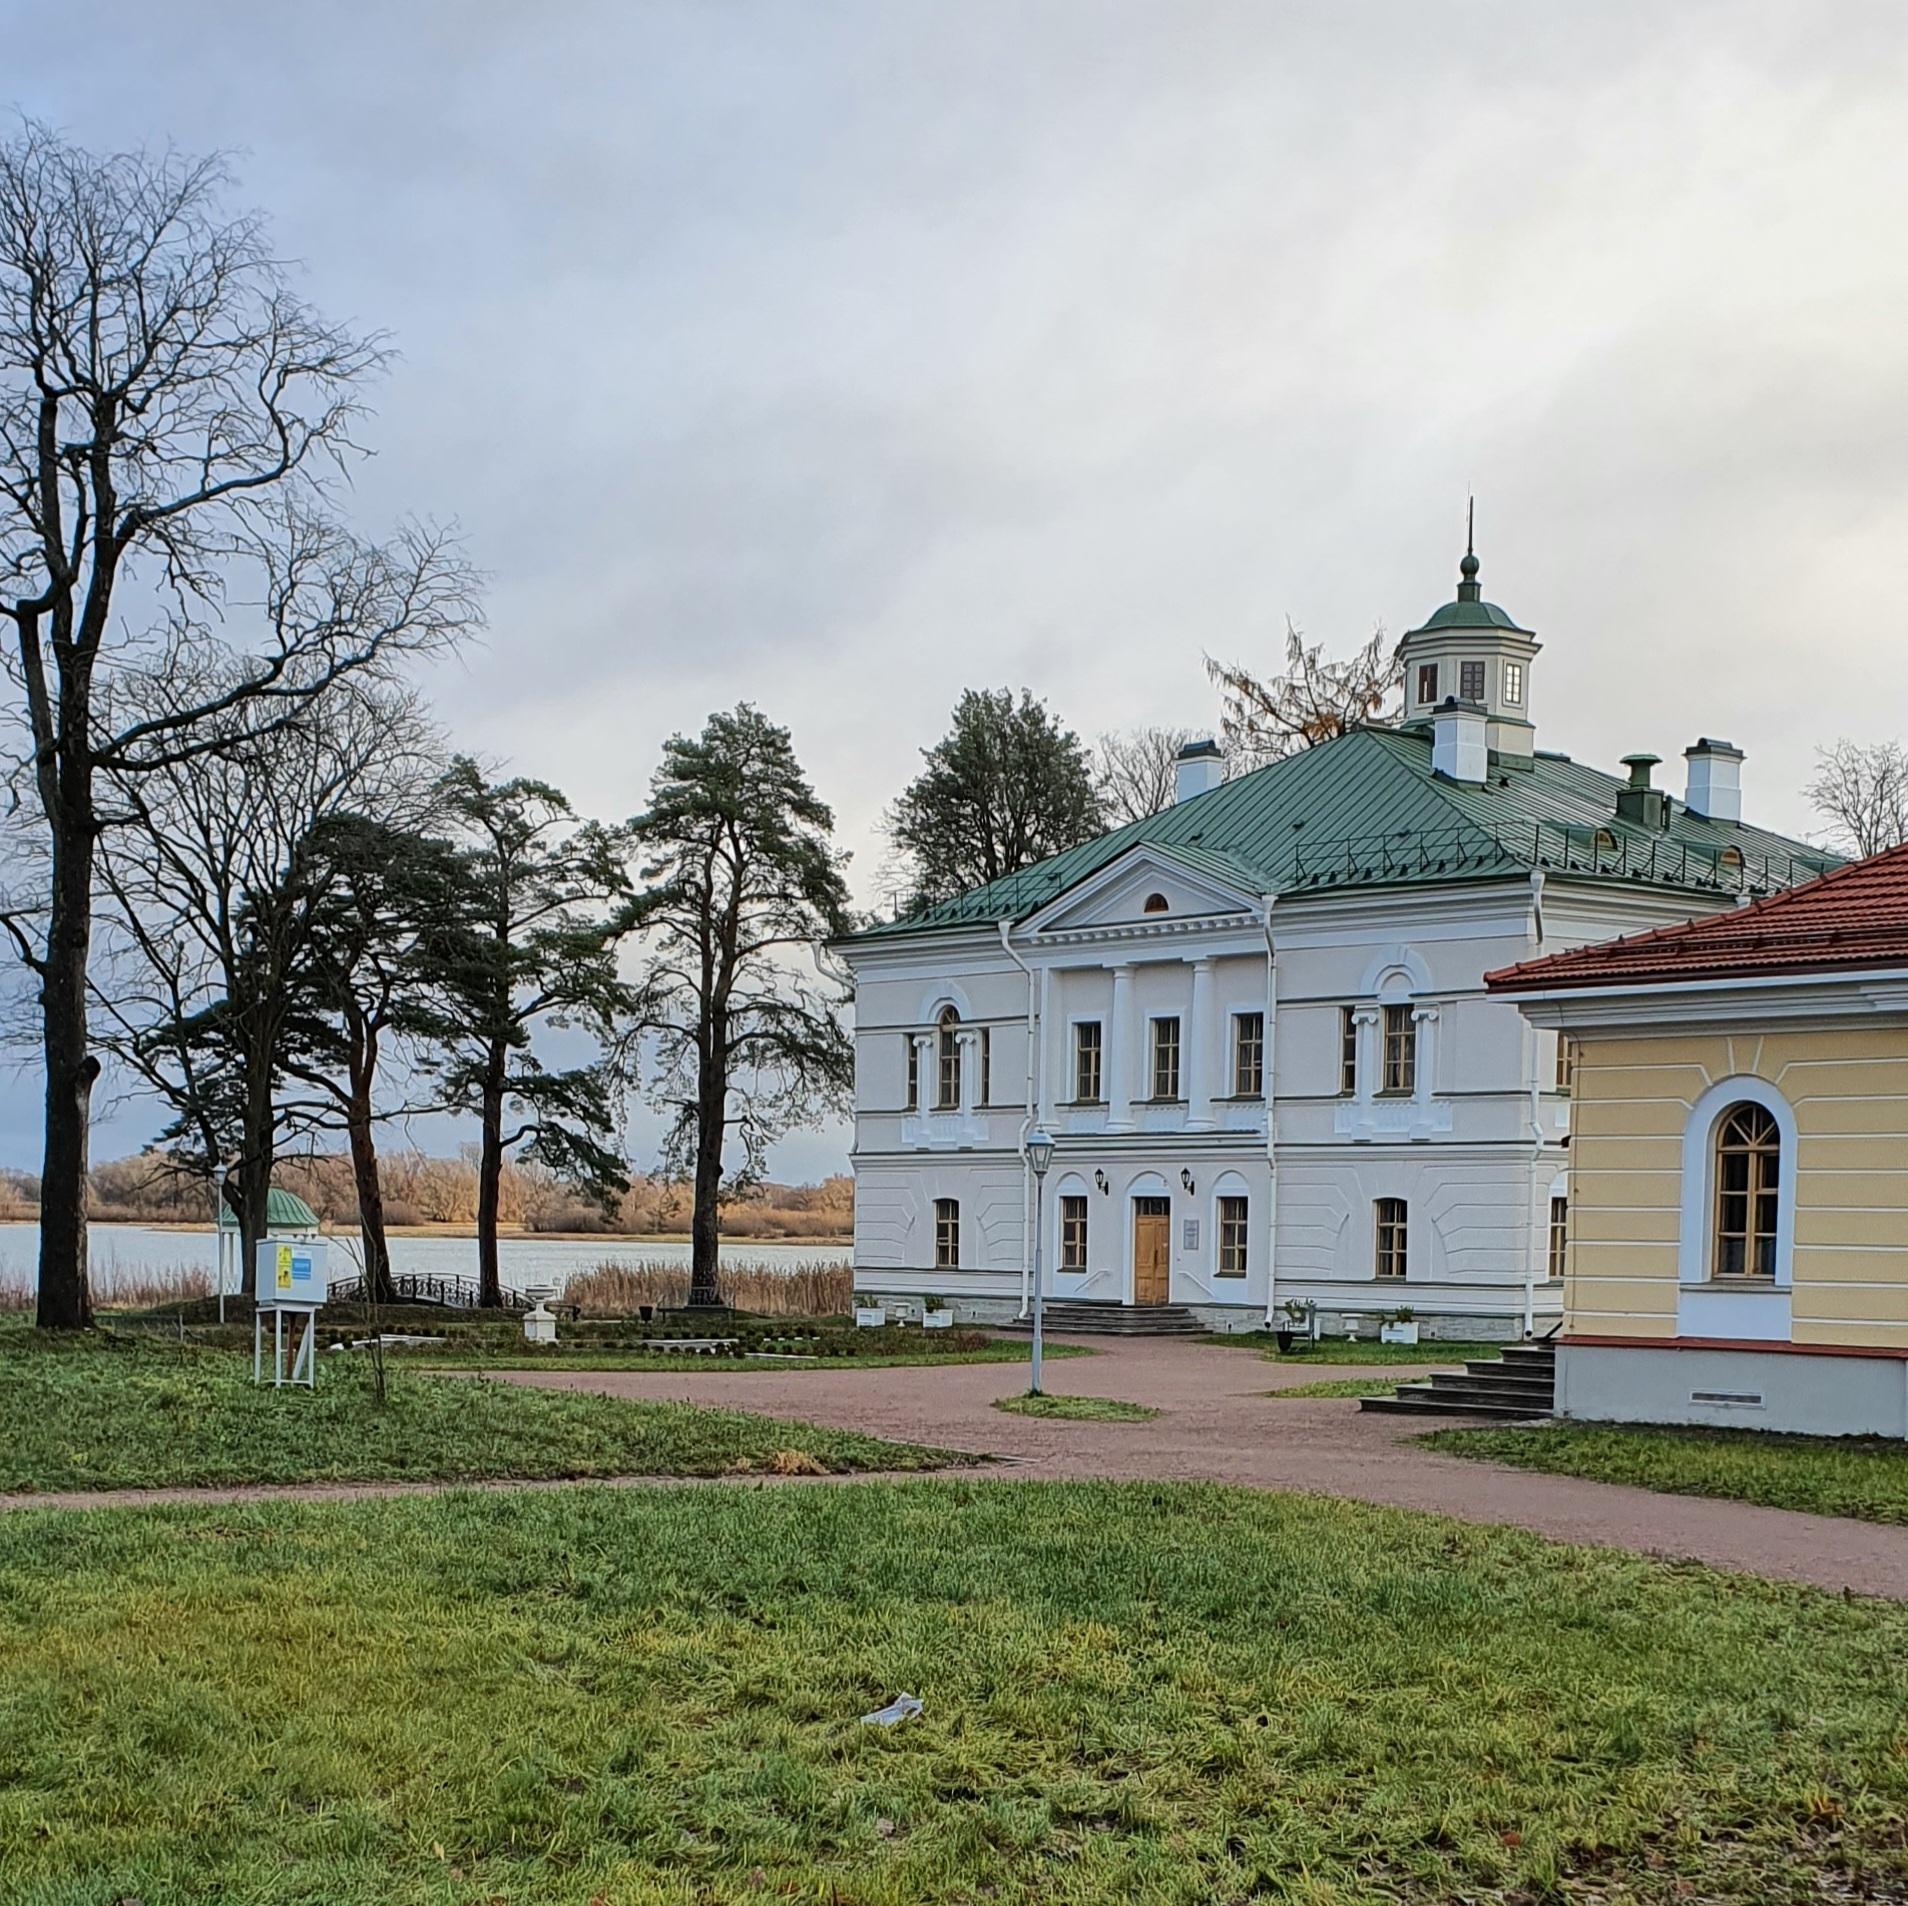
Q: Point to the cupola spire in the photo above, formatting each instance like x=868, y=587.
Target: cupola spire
x=1468, y=590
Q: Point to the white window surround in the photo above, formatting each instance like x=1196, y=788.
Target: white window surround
x=1705, y=1305
x=1229, y=1184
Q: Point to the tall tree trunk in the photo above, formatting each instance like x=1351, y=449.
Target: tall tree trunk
x=489, y=1190
x=66, y=1298
x=370, y=1189
x=705, y=1238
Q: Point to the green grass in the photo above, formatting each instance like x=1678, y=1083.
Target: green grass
x=1340, y=1386
x=1832, y=1476
x=1366, y=1350
x=1172, y=1695
x=128, y=1413
x=1077, y=1409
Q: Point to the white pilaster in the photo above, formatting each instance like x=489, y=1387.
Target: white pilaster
x=1053, y=1055
x=1198, y=1048
x=1121, y=1045
x=1367, y=1020
x=967, y=1044
x=927, y=1072
x=1424, y=1022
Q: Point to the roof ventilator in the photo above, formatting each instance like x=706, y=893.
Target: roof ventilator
x=1639, y=803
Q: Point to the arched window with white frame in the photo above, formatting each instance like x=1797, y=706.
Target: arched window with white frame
x=1749, y=1175
x=948, y=1052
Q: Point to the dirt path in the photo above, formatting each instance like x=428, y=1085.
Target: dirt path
x=1216, y=1424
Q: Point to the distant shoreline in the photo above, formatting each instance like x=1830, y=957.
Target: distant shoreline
x=506, y=1234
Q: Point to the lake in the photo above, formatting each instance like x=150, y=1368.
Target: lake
x=132, y=1250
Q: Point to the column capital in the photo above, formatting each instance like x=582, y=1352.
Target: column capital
x=1423, y=1015
x=1366, y=1015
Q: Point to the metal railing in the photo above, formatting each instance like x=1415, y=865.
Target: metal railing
x=1466, y=847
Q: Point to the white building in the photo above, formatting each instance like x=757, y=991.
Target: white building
x=1309, y=939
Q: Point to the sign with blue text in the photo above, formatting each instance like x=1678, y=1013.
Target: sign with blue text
x=292, y=1273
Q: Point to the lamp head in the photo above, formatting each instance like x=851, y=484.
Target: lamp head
x=1039, y=1151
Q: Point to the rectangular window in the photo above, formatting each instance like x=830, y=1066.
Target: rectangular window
x=1392, y=1227
x=986, y=1066
x=914, y=1072
x=1347, y=1052
x=1427, y=683
x=1248, y=1055
x=1166, y=1058
x=1559, y=1234
x=947, y=1234
x=1401, y=1050
x=1232, y=1237
x=1086, y=1062
x=1471, y=681
x=1073, y=1234
x=948, y=1093
x=1513, y=683
x=1566, y=1063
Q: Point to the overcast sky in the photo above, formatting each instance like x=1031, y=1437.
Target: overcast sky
x=839, y=356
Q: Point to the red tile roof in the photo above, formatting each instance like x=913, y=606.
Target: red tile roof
x=1853, y=917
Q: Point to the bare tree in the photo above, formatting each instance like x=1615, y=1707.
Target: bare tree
x=218, y=890
x=169, y=415
x=1862, y=792
x=1314, y=700
x=1136, y=771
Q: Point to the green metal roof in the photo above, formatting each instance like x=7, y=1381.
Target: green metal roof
x=284, y=1211
x=1366, y=810
x=1468, y=615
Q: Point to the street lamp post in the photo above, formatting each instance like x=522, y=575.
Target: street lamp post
x=1039, y=1156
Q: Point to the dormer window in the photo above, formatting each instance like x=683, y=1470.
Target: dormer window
x=1427, y=684
x=1471, y=681
x=1513, y=684
x=1155, y=903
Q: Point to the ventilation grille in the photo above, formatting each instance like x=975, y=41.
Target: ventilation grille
x=1742, y=1399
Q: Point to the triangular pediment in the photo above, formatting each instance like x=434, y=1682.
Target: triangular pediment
x=1129, y=892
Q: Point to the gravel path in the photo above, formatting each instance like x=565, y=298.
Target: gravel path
x=1216, y=1424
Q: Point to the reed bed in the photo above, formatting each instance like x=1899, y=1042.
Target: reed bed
x=812, y=1288
x=119, y=1285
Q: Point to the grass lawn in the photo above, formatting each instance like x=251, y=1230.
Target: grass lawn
x=1169, y=1694
x=1366, y=1350
x=1077, y=1409
x=122, y=1412
x=1862, y=1477
x=1340, y=1386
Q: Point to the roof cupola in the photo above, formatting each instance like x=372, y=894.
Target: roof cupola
x=1473, y=650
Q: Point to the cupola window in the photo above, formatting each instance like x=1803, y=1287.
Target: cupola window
x=1514, y=684
x=1471, y=681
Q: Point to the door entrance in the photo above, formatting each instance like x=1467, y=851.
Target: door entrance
x=1152, y=1241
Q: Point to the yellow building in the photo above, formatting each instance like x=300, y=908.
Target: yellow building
x=1735, y=1238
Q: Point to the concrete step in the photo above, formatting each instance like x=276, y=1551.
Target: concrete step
x=1081, y=1316
x=1404, y=1404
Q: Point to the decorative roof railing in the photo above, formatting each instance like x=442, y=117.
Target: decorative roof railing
x=1470, y=848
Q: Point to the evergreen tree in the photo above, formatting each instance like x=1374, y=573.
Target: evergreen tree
x=743, y=881
x=1006, y=787
x=530, y=944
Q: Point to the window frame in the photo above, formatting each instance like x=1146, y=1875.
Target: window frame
x=1559, y=1240
x=985, y=1091
x=1566, y=1074
x=1468, y=673
x=1760, y=1149
x=1082, y=1046
x=1164, y=1047
x=1073, y=1232
x=1427, y=671
x=1242, y=1046
x=1513, y=684
x=1348, y=1052
x=1391, y=1240
x=913, y=1100
x=947, y=1057
x=947, y=1234
x=1231, y=1234
x=1398, y=1057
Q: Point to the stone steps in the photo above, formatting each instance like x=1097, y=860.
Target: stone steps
x=1075, y=1316
x=1519, y=1386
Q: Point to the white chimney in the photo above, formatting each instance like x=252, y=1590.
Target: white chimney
x=1460, y=741
x=1715, y=780
x=1200, y=769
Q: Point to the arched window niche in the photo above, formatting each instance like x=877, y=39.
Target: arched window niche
x=1738, y=1215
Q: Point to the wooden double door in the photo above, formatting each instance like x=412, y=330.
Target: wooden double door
x=1152, y=1249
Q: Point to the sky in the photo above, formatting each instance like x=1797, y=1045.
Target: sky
x=842, y=355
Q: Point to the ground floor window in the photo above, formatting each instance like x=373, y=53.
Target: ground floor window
x=1073, y=1233
x=1559, y=1234
x=1232, y=1237
x=947, y=1234
x=1748, y=1177
x=1392, y=1228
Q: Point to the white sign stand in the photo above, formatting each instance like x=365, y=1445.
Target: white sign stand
x=291, y=1282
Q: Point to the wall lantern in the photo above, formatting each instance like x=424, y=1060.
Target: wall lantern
x=1186, y=1179
x=1099, y=1179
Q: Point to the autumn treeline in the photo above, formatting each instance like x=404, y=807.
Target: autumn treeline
x=421, y=1190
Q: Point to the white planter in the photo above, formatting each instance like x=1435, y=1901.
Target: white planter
x=1398, y=1333
x=937, y=1320
x=870, y=1316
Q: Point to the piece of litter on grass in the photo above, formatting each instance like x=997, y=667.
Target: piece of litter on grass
x=902, y=1707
